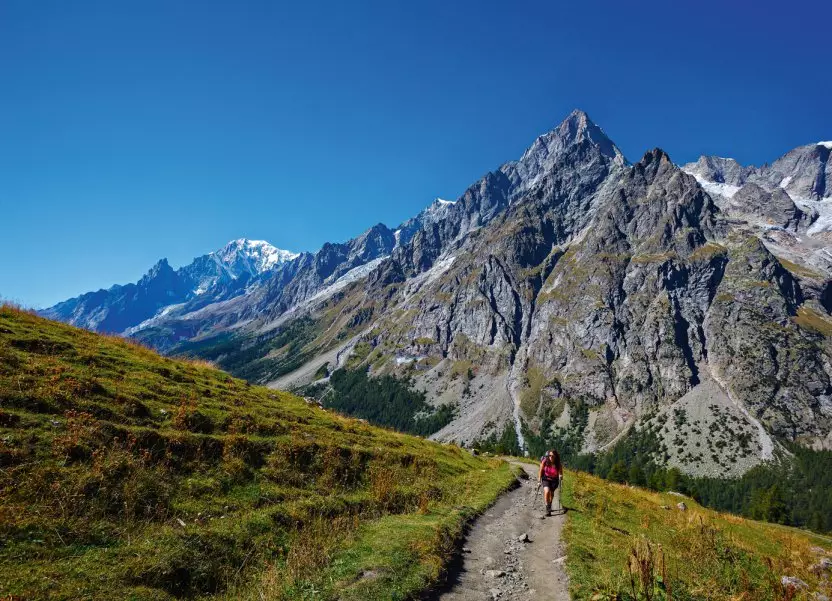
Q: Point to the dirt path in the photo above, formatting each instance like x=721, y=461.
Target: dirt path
x=495, y=564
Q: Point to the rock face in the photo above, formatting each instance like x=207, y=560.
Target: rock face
x=804, y=173
x=571, y=291
x=788, y=204
x=615, y=289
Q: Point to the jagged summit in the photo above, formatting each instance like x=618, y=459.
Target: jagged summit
x=576, y=128
x=577, y=136
x=804, y=173
x=161, y=268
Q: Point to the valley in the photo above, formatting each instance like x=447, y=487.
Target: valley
x=567, y=277
x=299, y=300
x=127, y=474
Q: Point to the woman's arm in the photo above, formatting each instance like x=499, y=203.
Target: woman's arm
x=540, y=472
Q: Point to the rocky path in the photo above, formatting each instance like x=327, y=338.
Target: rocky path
x=499, y=562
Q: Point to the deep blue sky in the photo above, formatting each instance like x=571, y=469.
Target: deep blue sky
x=135, y=130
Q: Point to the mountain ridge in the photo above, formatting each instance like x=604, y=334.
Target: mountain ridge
x=584, y=293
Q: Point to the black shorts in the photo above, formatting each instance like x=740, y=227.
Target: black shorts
x=551, y=484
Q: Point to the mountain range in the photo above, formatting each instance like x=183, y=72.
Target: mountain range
x=568, y=295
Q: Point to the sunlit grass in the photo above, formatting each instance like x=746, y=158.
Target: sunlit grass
x=694, y=554
x=126, y=475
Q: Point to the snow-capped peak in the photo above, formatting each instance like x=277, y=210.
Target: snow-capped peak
x=256, y=256
x=828, y=144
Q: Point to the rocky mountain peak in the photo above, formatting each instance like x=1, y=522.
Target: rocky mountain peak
x=653, y=164
x=160, y=269
x=575, y=129
x=719, y=170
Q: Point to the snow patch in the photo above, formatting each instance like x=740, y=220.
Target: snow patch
x=152, y=320
x=409, y=359
x=442, y=201
x=827, y=144
x=351, y=276
x=440, y=267
x=726, y=190
x=824, y=221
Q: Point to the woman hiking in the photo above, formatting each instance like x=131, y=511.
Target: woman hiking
x=550, y=475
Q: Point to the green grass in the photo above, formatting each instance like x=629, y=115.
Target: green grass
x=692, y=554
x=127, y=475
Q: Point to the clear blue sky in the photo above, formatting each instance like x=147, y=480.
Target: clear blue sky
x=135, y=130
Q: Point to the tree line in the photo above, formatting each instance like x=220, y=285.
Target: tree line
x=384, y=401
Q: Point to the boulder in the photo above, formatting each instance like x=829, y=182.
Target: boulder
x=793, y=582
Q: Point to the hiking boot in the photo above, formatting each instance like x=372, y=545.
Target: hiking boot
x=548, y=509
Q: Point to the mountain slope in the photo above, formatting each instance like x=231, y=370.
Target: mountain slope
x=603, y=295
x=124, y=474
x=624, y=542
x=570, y=292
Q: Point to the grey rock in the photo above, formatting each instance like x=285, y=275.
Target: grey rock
x=823, y=565
x=775, y=207
x=495, y=573
x=793, y=582
x=681, y=506
x=370, y=575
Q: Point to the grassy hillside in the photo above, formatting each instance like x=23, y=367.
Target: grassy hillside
x=629, y=543
x=126, y=475
x=795, y=490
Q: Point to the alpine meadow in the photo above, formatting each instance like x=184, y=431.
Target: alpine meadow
x=384, y=301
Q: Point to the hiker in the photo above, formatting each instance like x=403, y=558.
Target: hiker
x=549, y=476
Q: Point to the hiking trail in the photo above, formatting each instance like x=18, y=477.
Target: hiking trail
x=497, y=565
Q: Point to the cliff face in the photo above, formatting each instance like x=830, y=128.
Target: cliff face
x=625, y=290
